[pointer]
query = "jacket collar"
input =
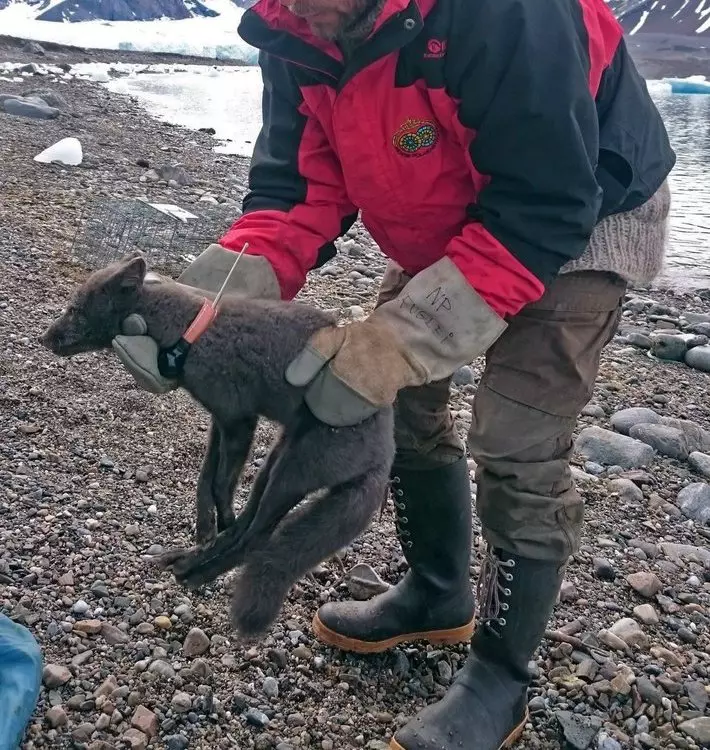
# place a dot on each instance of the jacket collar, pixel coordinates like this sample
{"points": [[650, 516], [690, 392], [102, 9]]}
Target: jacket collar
{"points": [[268, 25]]}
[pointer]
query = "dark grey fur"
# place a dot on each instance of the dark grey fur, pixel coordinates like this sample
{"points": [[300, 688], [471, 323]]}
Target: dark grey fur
{"points": [[235, 370]]}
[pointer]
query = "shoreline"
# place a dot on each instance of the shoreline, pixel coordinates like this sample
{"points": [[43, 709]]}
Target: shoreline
{"points": [[656, 55], [95, 472]]}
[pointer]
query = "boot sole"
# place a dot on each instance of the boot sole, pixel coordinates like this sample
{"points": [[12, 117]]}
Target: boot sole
{"points": [[345, 643], [508, 742]]}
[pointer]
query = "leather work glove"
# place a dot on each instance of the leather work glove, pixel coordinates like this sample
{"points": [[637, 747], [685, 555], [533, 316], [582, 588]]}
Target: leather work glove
{"points": [[254, 277], [435, 325]]}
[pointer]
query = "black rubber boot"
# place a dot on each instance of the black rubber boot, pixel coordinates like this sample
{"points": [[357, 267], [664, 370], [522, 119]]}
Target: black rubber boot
{"points": [[486, 707], [434, 601]]}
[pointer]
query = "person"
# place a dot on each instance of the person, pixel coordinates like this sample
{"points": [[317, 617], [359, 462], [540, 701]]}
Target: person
{"points": [[20, 680], [506, 157]]}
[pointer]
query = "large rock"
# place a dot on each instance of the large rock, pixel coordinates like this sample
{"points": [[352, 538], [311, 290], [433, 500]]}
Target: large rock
{"points": [[613, 449], [50, 98], [622, 421], [686, 552], [691, 318], [32, 107], [694, 501], [698, 358], [668, 346], [698, 437], [668, 441], [698, 729], [700, 462]]}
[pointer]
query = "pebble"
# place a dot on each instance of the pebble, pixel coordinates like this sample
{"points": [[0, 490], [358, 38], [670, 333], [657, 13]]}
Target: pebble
{"points": [[162, 668], [579, 731], [697, 694], [648, 692], [80, 607], [694, 502], [646, 614], [463, 376], [176, 742], [603, 569], [196, 643], [630, 632], [56, 716], [593, 468], [270, 687], [90, 627], [645, 583], [594, 410], [181, 702], [605, 742], [135, 739], [145, 721], [55, 675], [568, 592], [612, 640], [664, 654], [611, 448], [83, 732], [163, 622], [112, 635], [628, 491], [256, 718], [700, 462], [363, 582]]}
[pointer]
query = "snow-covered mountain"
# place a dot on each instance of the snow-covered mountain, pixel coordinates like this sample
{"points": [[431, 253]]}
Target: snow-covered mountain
{"points": [[117, 10], [200, 28], [681, 17]]}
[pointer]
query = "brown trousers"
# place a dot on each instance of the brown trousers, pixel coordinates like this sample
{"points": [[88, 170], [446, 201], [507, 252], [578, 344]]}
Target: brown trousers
{"points": [[538, 376]]}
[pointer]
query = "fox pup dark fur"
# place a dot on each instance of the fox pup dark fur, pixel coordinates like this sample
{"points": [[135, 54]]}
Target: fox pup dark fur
{"points": [[235, 370]]}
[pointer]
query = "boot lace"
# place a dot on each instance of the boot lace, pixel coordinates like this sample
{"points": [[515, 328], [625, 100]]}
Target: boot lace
{"points": [[493, 590], [401, 506]]}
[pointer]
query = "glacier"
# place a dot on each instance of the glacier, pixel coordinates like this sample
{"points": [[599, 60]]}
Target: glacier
{"points": [[210, 37]]}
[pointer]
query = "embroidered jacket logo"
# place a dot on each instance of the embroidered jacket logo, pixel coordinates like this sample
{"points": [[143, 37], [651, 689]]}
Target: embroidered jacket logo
{"points": [[416, 137], [435, 48]]}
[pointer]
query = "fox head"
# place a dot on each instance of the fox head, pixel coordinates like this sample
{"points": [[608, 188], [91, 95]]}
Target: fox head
{"points": [[95, 312]]}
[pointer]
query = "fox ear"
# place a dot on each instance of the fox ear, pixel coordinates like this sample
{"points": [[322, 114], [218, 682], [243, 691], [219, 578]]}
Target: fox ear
{"points": [[130, 272]]}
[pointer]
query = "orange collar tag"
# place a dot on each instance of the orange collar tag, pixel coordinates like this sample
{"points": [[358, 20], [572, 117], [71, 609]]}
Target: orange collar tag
{"points": [[201, 323]]}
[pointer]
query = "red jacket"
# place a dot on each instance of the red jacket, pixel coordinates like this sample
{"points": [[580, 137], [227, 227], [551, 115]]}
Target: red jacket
{"points": [[497, 132]]}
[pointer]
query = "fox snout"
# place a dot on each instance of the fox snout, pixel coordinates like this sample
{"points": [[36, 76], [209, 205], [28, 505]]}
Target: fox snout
{"points": [[62, 339]]}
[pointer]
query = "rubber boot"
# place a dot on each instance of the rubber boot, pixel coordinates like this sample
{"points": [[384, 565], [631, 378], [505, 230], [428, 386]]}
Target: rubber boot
{"points": [[486, 706], [434, 601]]}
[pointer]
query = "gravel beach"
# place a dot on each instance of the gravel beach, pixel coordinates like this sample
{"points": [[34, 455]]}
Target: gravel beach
{"points": [[95, 474]]}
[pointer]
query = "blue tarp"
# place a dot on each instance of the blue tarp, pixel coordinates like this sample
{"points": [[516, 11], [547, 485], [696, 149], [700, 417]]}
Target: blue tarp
{"points": [[20, 678]]}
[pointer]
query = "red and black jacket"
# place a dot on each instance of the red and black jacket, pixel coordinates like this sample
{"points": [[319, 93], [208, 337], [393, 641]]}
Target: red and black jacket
{"points": [[496, 132]]}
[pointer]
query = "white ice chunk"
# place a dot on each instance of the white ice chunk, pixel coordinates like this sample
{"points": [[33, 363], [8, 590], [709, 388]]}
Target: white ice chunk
{"points": [[67, 151]]}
